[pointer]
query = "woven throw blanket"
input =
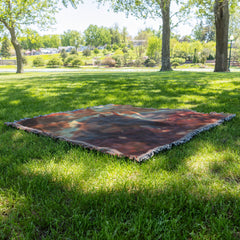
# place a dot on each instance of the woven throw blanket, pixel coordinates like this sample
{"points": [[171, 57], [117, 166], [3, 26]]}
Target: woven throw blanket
{"points": [[123, 130]]}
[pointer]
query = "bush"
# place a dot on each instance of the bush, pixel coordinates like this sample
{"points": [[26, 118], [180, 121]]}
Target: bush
{"points": [[119, 60], [54, 62], [118, 52], [63, 54], [96, 50], [125, 50], [126, 59], [38, 62], [74, 51], [97, 62], [203, 59], [73, 61], [86, 52], [105, 52], [178, 60], [175, 64], [138, 62], [115, 46], [150, 62], [109, 48], [76, 62], [68, 60], [109, 61]]}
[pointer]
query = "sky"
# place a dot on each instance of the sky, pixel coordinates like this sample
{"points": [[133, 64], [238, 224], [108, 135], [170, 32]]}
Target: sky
{"points": [[88, 13]]}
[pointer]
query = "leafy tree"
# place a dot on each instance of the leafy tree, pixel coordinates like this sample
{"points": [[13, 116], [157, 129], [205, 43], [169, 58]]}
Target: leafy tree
{"points": [[154, 48], [144, 34], [115, 35], [5, 49], [97, 36], [145, 8], [186, 38], [51, 41], [31, 41], [221, 10], [16, 15], [234, 26], [205, 33], [72, 38], [124, 35]]}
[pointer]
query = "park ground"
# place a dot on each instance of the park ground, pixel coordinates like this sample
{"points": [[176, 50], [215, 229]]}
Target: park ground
{"points": [[53, 190]]}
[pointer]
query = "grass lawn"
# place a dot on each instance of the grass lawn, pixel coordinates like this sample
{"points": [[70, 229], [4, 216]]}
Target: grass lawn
{"points": [[53, 190]]}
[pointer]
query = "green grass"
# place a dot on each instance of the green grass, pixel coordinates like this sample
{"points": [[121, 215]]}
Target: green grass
{"points": [[53, 190]]}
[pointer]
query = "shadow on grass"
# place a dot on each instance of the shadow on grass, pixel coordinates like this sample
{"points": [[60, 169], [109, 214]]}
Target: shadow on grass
{"points": [[45, 201], [34, 95], [43, 206]]}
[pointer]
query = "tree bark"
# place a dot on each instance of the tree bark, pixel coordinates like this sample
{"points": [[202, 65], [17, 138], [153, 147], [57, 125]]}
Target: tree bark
{"points": [[17, 48], [165, 8], [221, 12]]}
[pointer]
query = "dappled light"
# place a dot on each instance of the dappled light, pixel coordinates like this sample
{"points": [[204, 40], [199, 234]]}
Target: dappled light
{"points": [[51, 188]]}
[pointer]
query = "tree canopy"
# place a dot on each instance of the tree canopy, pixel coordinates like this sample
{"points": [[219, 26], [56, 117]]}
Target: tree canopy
{"points": [[71, 38], [97, 36], [145, 9], [17, 15]]}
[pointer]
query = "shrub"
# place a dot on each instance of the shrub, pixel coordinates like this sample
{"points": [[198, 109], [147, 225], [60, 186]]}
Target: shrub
{"points": [[150, 62], [175, 64], [138, 62], [38, 62], [131, 46], [126, 59], [54, 62], [178, 60], [105, 52], [76, 62], [115, 46], [109, 61], [68, 60], [86, 52], [109, 48], [97, 62], [119, 60], [203, 59], [63, 54], [130, 63], [96, 50], [125, 50], [74, 51], [118, 52]]}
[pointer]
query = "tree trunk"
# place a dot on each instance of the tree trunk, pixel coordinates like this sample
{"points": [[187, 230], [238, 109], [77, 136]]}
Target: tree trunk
{"points": [[221, 12], [17, 48], [165, 8]]}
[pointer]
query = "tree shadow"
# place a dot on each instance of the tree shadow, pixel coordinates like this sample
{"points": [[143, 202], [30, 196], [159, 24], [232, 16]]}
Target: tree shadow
{"points": [[51, 209], [162, 198]]}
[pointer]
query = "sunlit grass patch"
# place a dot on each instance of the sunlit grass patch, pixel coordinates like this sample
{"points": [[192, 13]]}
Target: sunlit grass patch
{"points": [[53, 190]]}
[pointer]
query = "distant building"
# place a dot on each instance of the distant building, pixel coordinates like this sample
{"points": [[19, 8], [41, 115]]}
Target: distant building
{"points": [[82, 48], [33, 52], [137, 43], [48, 50], [67, 48]]}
